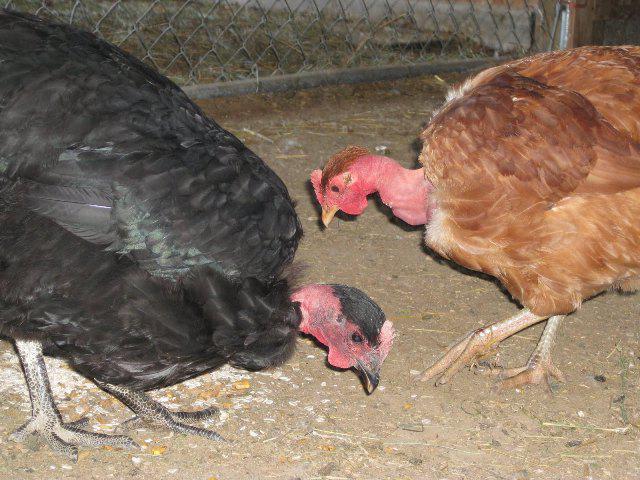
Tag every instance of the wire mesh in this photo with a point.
(203, 41)
(622, 23)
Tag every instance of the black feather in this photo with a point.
(361, 310)
(118, 324)
(138, 239)
(79, 115)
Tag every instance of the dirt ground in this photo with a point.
(307, 421)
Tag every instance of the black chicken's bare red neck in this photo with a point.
(314, 298)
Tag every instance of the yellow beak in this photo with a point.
(327, 215)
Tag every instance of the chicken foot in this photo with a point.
(46, 420)
(148, 410)
(539, 368)
(476, 344)
(195, 416)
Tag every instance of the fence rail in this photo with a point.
(205, 41)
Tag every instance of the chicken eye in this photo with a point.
(356, 338)
(334, 188)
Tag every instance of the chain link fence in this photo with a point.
(198, 41)
(622, 24)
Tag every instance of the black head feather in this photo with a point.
(358, 308)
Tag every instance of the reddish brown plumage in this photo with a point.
(536, 169)
(608, 76)
(341, 162)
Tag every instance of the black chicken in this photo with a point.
(141, 241)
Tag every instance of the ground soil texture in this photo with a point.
(307, 421)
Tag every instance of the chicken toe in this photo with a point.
(477, 344)
(46, 420)
(66, 438)
(539, 368)
(148, 410)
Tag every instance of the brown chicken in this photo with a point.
(531, 174)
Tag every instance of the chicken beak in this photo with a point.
(327, 215)
(370, 377)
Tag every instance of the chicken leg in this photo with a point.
(539, 367)
(147, 409)
(476, 344)
(46, 420)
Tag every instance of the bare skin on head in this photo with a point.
(350, 345)
(353, 174)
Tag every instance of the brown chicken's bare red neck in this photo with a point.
(404, 190)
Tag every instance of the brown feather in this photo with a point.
(341, 162)
(609, 77)
(537, 186)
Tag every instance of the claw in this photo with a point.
(22, 432)
(476, 345)
(45, 420)
(148, 410)
(58, 445)
(539, 368)
(64, 438)
(536, 371)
